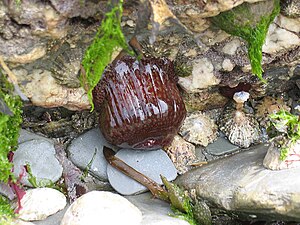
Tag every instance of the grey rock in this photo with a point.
(240, 183)
(220, 147)
(155, 211)
(82, 150)
(29, 136)
(6, 190)
(150, 163)
(40, 155)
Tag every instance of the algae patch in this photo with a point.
(250, 22)
(109, 37)
(9, 127)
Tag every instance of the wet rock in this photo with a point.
(39, 154)
(86, 151)
(39, 203)
(6, 190)
(155, 211)
(220, 147)
(241, 184)
(150, 163)
(102, 207)
(198, 129)
(273, 160)
(29, 136)
(43, 90)
(182, 154)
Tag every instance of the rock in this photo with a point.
(40, 155)
(43, 90)
(54, 219)
(150, 163)
(102, 207)
(39, 203)
(203, 100)
(198, 129)
(21, 222)
(155, 211)
(7, 191)
(182, 154)
(241, 184)
(77, 8)
(220, 147)
(205, 9)
(82, 150)
(29, 136)
(272, 159)
(202, 76)
(279, 39)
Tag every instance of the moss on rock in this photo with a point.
(250, 22)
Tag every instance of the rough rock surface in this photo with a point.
(241, 184)
(103, 207)
(182, 154)
(43, 90)
(199, 129)
(39, 203)
(272, 159)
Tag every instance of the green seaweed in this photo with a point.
(9, 127)
(289, 124)
(6, 211)
(183, 208)
(242, 22)
(109, 37)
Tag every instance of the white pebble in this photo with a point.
(101, 207)
(39, 203)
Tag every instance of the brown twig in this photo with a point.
(13, 79)
(117, 163)
(10, 74)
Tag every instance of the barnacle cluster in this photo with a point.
(240, 127)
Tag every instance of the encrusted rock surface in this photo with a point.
(242, 185)
(182, 154)
(199, 129)
(273, 160)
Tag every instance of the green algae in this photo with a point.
(6, 211)
(9, 127)
(9, 133)
(250, 22)
(183, 208)
(288, 124)
(109, 37)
